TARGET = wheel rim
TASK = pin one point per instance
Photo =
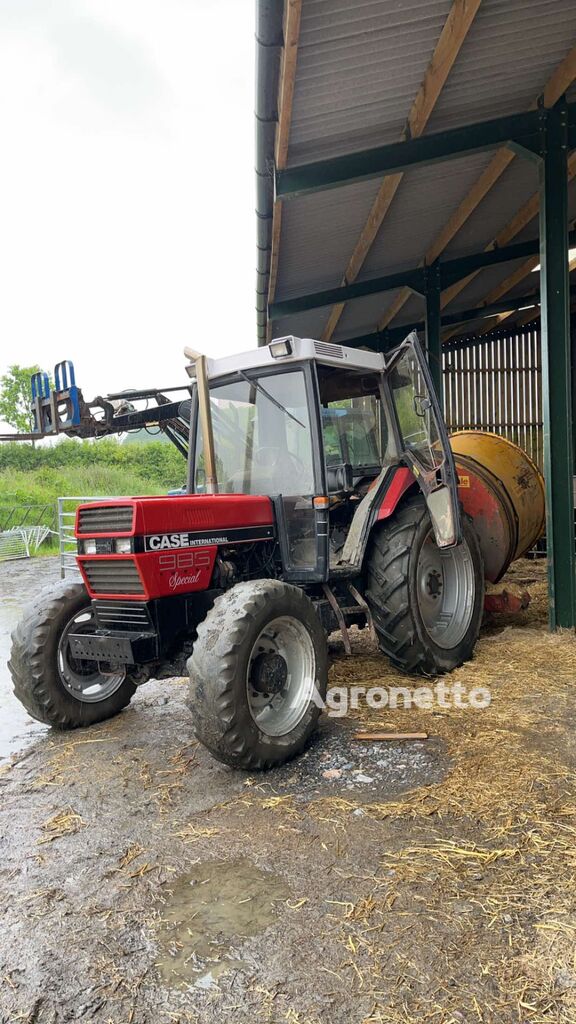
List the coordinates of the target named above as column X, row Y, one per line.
column 446, row 591
column 281, row 676
column 77, row 675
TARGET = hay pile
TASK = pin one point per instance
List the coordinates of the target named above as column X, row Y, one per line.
column 487, row 878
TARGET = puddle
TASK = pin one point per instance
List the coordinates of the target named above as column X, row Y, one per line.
column 20, row 582
column 207, row 914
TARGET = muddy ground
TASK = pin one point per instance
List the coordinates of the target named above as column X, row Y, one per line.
column 141, row 882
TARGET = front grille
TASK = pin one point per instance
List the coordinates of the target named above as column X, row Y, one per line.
column 121, row 615
column 106, row 519
column 112, row 576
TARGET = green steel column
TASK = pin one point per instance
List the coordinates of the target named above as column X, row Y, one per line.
column 573, row 351
column 556, row 372
column 433, row 336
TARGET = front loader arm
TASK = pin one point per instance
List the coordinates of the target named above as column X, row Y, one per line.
column 62, row 409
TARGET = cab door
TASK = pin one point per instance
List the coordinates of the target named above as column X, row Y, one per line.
column 422, row 438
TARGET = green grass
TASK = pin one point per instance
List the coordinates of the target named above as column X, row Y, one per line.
column 39, row 476
column 36, row 487
column 48, row 549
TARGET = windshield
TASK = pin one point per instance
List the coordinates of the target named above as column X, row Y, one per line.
column 262, row 437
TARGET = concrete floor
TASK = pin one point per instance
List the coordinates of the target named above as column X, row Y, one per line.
column 142, row 881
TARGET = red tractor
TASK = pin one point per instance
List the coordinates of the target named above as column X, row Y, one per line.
column 321, row 494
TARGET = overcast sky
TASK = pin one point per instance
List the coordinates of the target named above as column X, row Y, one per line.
column 127, row 191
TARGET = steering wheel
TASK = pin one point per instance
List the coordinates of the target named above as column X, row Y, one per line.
column 277, row 452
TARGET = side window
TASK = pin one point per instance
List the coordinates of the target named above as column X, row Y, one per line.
column 353, row 427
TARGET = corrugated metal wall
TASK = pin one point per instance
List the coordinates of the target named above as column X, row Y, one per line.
column 495, row 384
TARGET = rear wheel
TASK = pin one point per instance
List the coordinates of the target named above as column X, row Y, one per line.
column 426, row 601
column 258, row 667
column 54, row 687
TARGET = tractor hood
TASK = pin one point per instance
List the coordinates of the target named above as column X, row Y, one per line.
column 157, row 546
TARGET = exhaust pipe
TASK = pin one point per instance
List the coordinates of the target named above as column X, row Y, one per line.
column 201, row 374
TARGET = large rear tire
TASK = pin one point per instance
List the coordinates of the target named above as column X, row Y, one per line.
column 426, row 602
column 54, row 687
column 257, row 668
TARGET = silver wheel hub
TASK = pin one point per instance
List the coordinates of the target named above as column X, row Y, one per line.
column 445, row 591
column 281, row 676
column 84, row 680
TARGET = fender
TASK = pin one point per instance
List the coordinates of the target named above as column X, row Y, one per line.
column 378, row 503
column 402, row 481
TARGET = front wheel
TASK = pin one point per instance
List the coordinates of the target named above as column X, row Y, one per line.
column 54, row 687
column 258, row 674
column 426, row 601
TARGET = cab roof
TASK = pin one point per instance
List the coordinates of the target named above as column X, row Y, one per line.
column 283, row 351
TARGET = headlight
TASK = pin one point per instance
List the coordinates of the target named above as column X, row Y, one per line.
column 280, row 348
column 123, row 545
column 89, row 547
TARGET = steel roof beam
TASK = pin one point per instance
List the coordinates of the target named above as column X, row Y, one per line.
column 524, row 129
column 415, row 279
column 382, row 340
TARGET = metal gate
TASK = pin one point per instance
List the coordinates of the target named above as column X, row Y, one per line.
column 66, row 520
column 495, row 383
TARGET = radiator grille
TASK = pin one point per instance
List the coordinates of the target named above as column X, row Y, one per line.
column 122, row 614
column 113, row 576
column 106, row 519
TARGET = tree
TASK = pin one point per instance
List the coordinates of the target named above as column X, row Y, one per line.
column 15, row 397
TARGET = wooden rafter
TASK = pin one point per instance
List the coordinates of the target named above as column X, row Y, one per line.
column 454, row 32
column 292, row 19
column 555, row 87
column 513, row 228
column 512, row 312
column 486, row 181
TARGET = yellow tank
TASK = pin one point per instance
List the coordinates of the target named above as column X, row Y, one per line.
column 502, row 489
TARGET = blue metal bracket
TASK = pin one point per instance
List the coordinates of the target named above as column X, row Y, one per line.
column 65, row 396
column 57, row 409
column 41, row 404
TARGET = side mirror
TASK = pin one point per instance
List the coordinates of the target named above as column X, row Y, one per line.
column 340, row 479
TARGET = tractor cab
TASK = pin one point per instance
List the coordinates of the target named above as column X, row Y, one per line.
column 322, row 429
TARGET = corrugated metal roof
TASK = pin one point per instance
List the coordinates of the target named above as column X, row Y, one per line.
column 362, row 315
column 359, row 68
column 509, row 54
column 316, row 231
column 303, row 325
column 481, row 285
column 424, row 202
column 516, row 186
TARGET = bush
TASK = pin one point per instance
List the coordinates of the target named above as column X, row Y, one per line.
column 154, row 460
